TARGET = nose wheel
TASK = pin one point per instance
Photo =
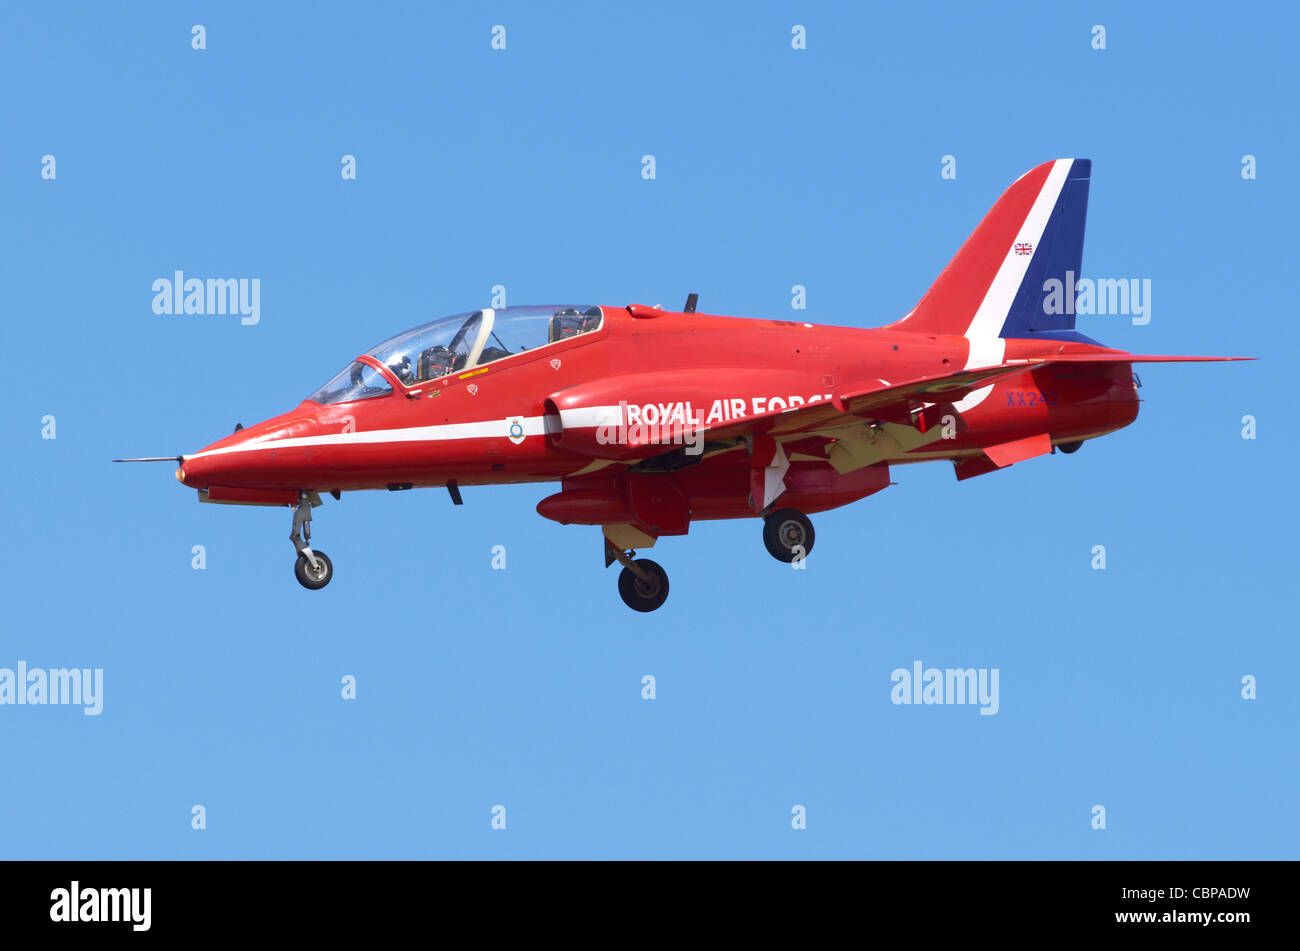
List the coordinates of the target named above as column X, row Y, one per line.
column 313, row 577
column 313, row 569
column 788, row 535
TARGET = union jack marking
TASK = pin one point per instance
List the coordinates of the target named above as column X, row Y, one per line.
column 1024, row 249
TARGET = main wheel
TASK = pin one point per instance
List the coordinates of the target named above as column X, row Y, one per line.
column 645, row 595
column 787, row 532
column 1068, row 447
column 314, row 578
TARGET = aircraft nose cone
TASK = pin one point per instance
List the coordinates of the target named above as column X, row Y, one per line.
column 214, row 464
column 224, row 464
column 199, row 470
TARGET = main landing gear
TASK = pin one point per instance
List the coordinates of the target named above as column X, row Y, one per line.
column 788, row 535
column 313, row 569
column 642, row 584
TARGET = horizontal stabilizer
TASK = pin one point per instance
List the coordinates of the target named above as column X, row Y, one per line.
column 1120, row 356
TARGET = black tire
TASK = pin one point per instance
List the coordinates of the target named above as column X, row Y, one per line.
column 786, row 529
column 643, row 595
column 1069, row 447
column 313, row 580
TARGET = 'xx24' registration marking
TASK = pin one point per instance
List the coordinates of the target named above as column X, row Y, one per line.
column 1031, row 398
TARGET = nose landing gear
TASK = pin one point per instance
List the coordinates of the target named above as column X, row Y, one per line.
column 313, row 569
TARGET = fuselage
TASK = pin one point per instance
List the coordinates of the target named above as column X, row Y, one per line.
column 513, row 418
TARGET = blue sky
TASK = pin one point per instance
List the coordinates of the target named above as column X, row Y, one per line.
column 522, row 687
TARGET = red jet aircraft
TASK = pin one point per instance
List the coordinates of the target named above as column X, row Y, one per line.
column 651, row 419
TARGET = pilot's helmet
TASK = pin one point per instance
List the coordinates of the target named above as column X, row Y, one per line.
column 402, row 370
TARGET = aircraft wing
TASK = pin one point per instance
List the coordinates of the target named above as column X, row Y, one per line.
column 884, row 400
column 897, row 402
column 948, row 388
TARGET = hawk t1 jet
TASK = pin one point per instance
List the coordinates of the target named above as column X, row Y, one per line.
column 650, row 420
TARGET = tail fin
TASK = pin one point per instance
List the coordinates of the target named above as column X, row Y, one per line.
column 994, row 286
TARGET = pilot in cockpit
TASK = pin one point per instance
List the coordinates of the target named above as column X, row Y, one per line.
column 570, row 322
column 437, row 361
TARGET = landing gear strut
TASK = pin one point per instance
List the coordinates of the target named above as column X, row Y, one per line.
column 788, row 535
column 313, row 569
column 642, row 584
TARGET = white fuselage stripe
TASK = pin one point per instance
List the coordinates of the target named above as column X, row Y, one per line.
column 487, row 429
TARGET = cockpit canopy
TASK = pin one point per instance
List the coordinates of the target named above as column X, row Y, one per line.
column 458, row 343
column 356, row 381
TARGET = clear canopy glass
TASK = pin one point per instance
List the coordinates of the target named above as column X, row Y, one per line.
column 456, row 343
column 356, row 381
column 433, row 350
column 519, row 329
